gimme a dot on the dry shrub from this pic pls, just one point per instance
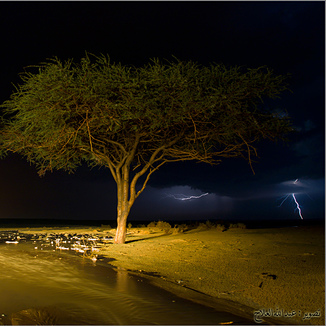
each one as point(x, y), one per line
point(163, 226)
point(242, 226)
point(151, 225)
point(209, 224)
point(221, 227)
point(205, 226)
point(180, 228)
point(237, 226)
point(104, 228)
point(201, 226)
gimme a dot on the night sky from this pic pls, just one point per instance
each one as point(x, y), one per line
point(288, 37)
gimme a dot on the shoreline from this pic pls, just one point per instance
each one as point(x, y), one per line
point(250, 271)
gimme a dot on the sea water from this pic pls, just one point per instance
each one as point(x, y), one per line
point(78, 291)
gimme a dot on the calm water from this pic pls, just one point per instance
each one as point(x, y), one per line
point(78, 291)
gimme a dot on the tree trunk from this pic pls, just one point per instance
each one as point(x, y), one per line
point(120, 235)
point(122, 215)
point(123, 207)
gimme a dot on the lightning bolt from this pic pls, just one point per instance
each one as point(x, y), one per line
point(294, 199)
point(185, 197)
point(298, 206)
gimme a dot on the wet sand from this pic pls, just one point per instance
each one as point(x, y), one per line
point(260, 272)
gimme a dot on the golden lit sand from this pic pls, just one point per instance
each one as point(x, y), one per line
point(279, 271)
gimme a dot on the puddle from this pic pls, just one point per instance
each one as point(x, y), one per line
point(55, 287)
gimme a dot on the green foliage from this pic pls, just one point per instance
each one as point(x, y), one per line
point(138, 118)
point(96, 111)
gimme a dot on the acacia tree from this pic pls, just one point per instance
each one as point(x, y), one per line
point(133, 120)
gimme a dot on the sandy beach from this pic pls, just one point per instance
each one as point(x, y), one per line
point(276, 275)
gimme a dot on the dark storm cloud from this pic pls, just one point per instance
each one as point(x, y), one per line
point(164, 204)
point(297, 186)
point(311, 145)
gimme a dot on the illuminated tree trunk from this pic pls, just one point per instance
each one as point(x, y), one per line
point(120, 236)
point(123, 207)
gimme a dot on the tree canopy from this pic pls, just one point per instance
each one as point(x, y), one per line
point(136, 119)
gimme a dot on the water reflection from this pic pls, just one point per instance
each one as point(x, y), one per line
point(122, 280)
point(66, 289)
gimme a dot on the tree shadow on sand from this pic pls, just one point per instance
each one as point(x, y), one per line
point(149, 238)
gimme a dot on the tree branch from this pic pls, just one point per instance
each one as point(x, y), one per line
point(147, 178)
point(249, 152)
